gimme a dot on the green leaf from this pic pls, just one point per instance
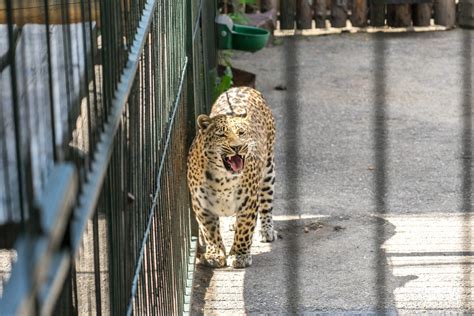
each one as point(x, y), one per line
point(224, 83)
point(239, 18)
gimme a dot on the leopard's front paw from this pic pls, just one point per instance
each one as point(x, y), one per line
point(268, 235)
point(239, 261)
point(212, 260)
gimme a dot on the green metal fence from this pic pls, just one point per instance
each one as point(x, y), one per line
point(97, 112)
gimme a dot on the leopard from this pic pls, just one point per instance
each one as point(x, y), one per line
point(231, 173)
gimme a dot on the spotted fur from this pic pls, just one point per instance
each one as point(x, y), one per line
point(240, 125)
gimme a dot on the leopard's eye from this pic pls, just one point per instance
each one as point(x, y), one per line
point(240, 132)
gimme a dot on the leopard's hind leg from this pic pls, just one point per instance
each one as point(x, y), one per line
point(267, 232)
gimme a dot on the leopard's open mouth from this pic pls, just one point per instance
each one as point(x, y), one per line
point(234, 164)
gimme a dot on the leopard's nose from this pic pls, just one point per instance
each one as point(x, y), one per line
point(236, 148)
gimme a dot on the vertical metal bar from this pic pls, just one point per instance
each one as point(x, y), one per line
point(90, 136)
point(57, 155)
point(97, 272)
point(16, 112)
point(190, 109)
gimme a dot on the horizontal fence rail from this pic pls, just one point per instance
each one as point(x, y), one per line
point(98, 101)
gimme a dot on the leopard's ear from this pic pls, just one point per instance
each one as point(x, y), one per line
point(203, 122)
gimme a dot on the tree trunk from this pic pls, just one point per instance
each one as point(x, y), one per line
point(359, 13)
point(399, 15)
point(338, 13)
point(287, 14)
point(320, 10)
point(303, 15)
point(377, 13)
point(445, 12)
point(422, 14)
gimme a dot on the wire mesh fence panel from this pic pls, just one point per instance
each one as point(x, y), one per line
point(97, 108)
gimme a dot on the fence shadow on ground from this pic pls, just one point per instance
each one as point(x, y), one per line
point(466, 186)
point(335, 271)
point(292, 145)
point(202, 281)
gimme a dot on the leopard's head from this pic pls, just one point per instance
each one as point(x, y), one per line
point(225, 142)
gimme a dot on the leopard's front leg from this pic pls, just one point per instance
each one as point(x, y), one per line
point(214, 255)
point(246, 219)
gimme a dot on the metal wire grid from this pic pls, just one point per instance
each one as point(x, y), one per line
point(126, 243)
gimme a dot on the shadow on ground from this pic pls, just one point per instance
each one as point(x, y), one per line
point(332, 271)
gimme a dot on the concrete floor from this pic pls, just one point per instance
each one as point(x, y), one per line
point(374, 179)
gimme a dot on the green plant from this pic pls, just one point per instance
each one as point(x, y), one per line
point(245, 3)
point(223, 83)
point(239, 18)
point(239, 9)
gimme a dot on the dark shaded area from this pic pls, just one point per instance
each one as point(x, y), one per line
point(9, 233)
point(202, 280)
point(331, 263)
point(380, 135)
point(291, 147)
point(466, 186)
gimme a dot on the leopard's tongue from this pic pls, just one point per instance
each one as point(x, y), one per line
point(236, 163)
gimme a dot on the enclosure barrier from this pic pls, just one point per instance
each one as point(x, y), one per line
point(98, 100)
point(323, 14)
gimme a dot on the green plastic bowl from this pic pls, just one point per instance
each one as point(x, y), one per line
point(249, 38)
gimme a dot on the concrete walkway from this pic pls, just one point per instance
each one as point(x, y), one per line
point(374, 180)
